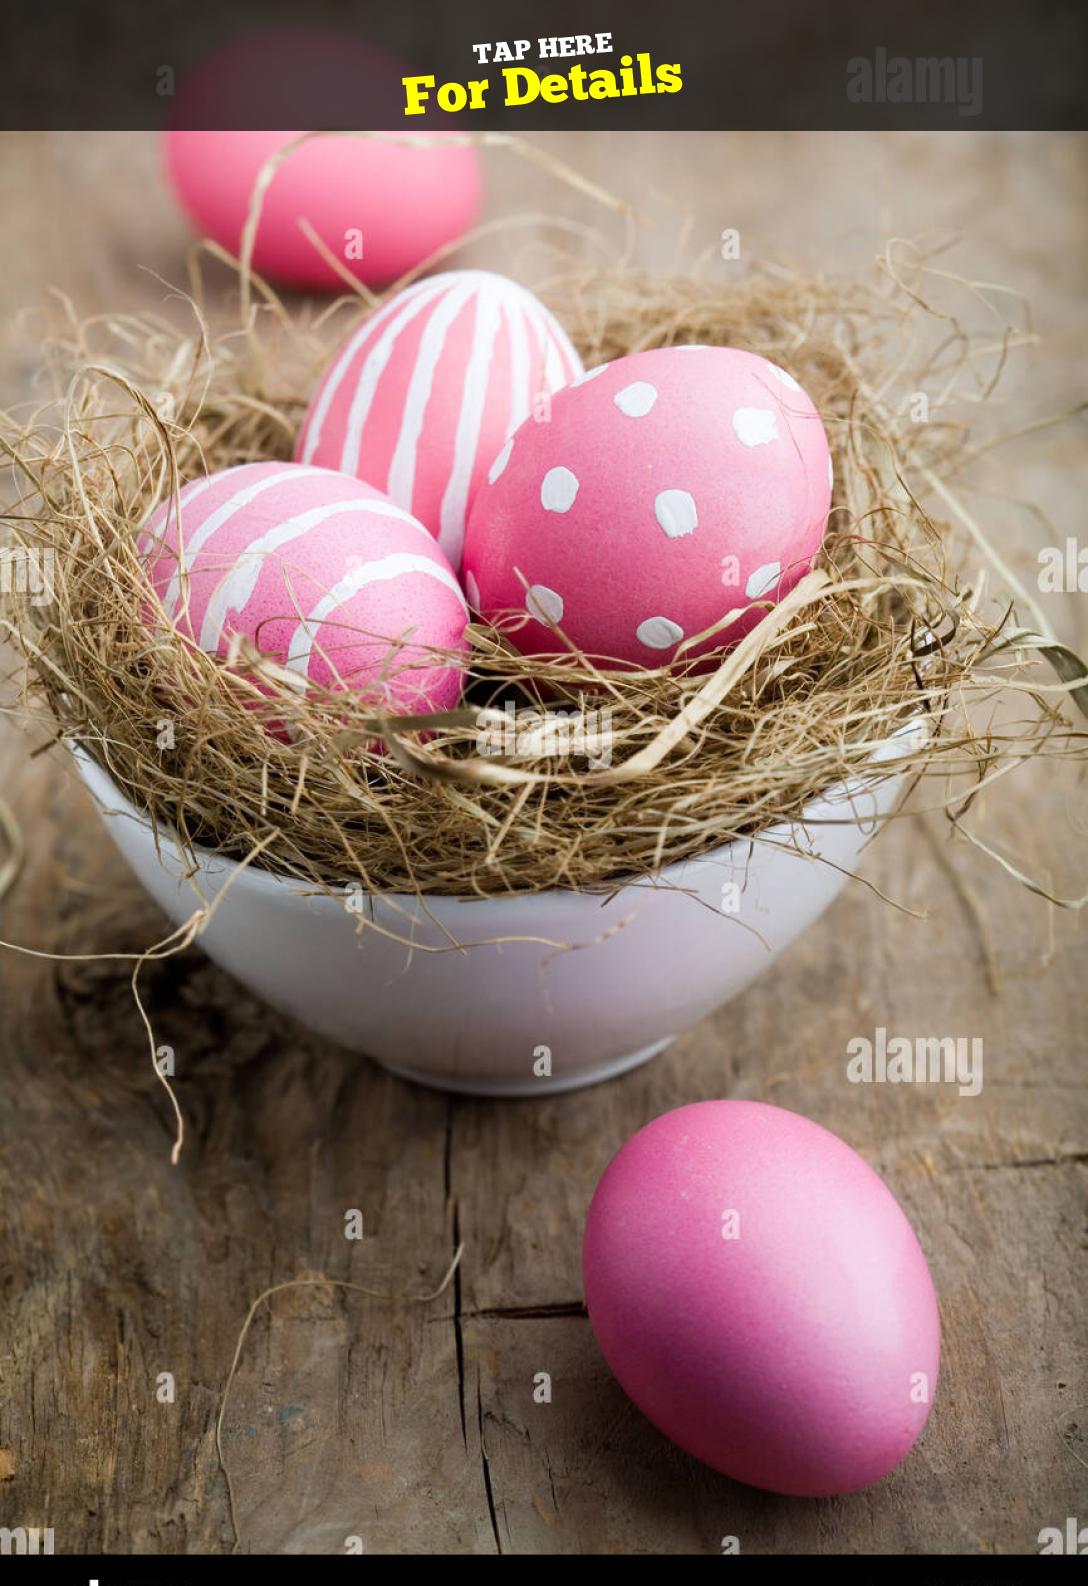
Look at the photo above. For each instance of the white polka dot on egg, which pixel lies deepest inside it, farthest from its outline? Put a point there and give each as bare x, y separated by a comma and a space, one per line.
763, 580
659, 633
544, 604
636, 400
781, 374
755, 426
676, 513
558, 490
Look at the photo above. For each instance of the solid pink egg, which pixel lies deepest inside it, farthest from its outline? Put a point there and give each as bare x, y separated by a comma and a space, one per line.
423, 396
379, 208
323, 573
396, 202
665, 490
760, 1295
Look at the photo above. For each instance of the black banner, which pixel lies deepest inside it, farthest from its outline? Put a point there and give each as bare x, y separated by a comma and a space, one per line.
588, 64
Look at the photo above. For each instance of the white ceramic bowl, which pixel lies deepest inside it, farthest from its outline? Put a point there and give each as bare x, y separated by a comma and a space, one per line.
584, 987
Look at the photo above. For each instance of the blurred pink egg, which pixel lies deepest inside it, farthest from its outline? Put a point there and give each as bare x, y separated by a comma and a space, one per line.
666, 489
323, 573
395, 203
420, 400
759, 1294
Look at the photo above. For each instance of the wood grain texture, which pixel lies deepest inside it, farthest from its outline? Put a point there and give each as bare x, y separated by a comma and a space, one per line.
414, 1427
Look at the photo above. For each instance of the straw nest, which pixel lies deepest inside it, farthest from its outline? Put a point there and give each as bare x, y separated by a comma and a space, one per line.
887, 628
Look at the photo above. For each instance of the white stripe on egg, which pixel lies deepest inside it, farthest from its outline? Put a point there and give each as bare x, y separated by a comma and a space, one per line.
217, 519
466, 444
378, 321
303, 640
498, 466
375, 358
235, 590
402, 470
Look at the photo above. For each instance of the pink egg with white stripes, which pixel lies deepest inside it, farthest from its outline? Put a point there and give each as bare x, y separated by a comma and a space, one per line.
422, 398
321, 572
668, 489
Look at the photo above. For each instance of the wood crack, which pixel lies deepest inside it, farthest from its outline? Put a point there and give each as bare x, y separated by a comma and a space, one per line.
447, 1151
1062, 1159
543, 1311
487, 1468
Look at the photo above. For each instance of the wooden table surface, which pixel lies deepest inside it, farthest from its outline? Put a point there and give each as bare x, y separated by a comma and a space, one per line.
414, 1426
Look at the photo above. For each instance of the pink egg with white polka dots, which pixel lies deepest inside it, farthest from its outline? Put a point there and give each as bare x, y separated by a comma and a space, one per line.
422, 396
665, 490
321, 572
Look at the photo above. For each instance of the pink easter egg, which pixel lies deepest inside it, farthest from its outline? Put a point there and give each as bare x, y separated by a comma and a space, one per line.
321, 572
667, 489
422, 397
380, 207
760, 1295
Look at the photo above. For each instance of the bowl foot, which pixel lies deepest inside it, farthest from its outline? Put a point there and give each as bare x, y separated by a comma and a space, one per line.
465, 1085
